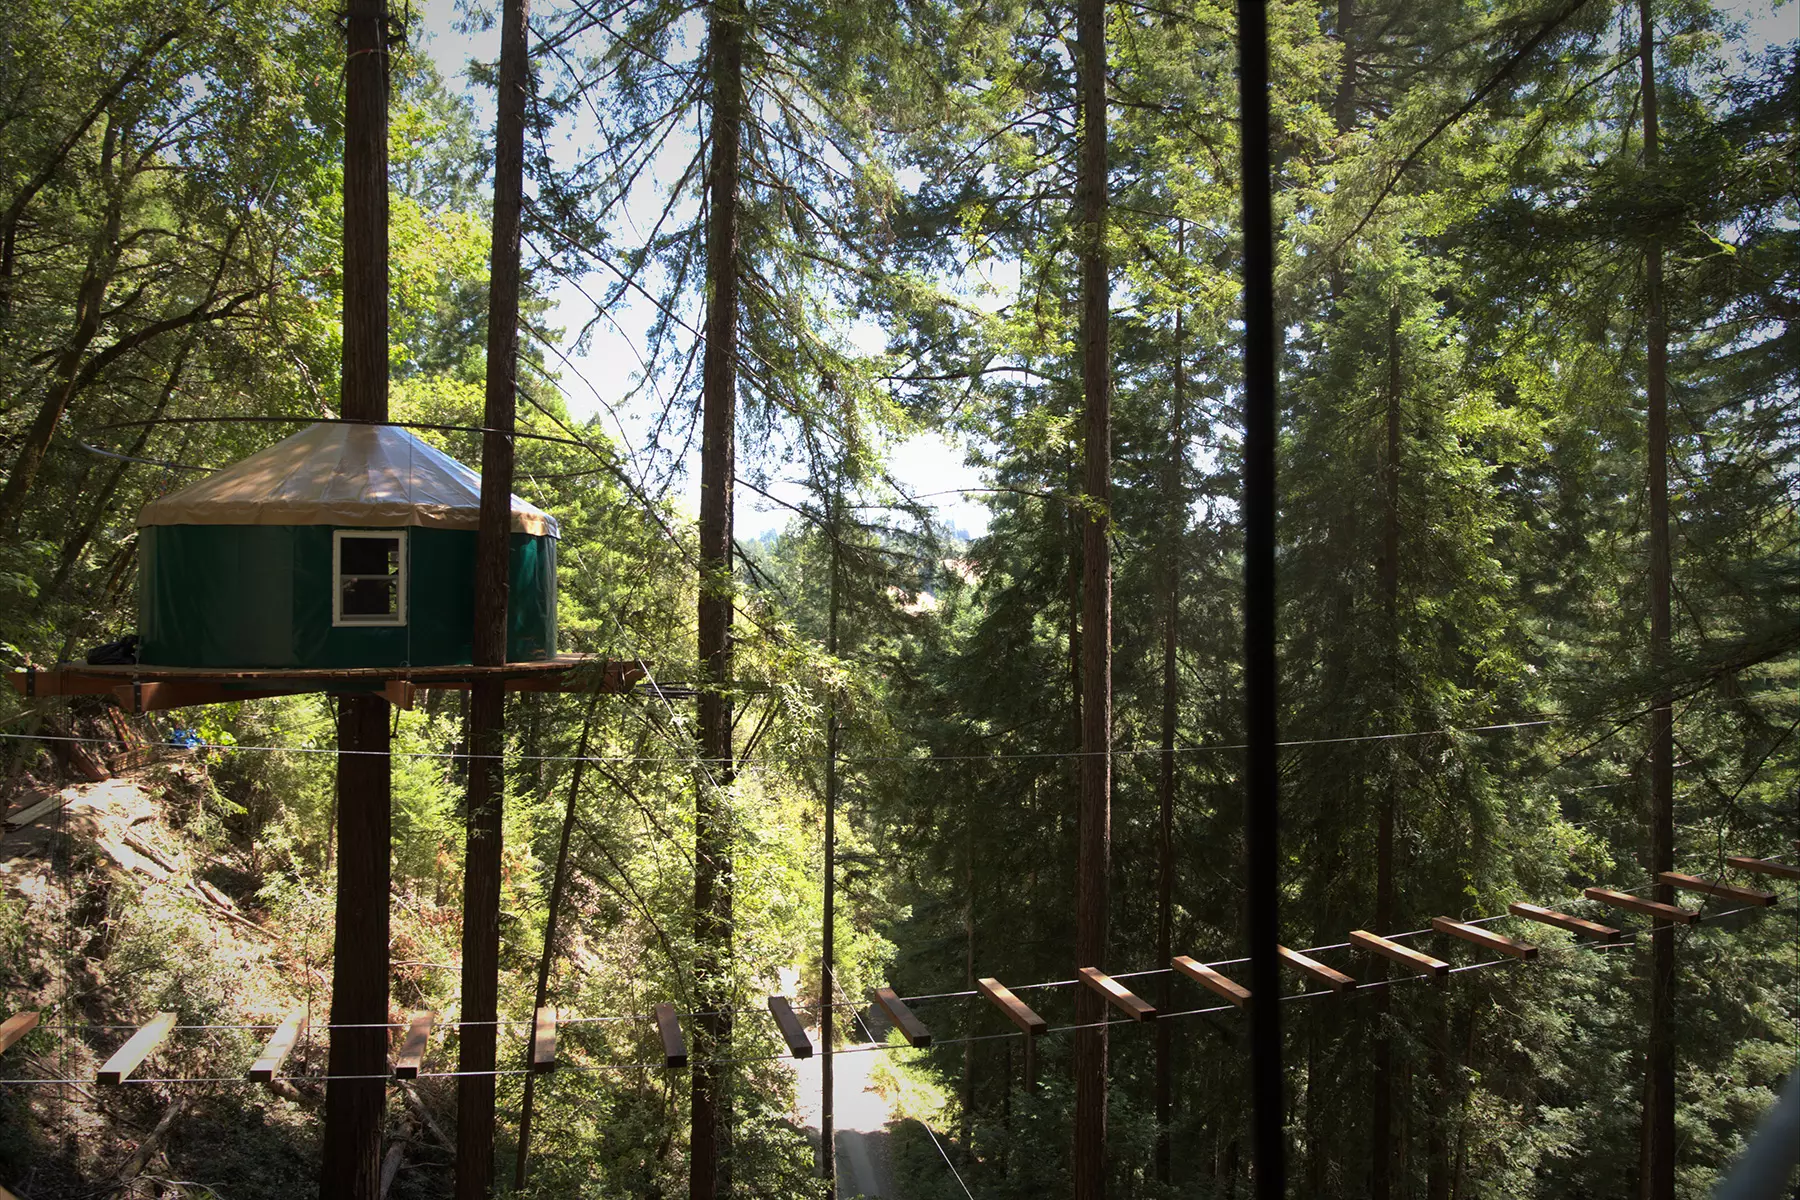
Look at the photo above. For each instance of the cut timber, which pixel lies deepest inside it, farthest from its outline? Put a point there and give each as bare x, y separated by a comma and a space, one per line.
1648, 908
565, 673
400, 693
910, 1027
280, 1046
146, 687
1724, 891
543, 1041
1766, 866
412, 1050
1337, 981
1116, 993
1484, 938
26, 816
1549, 916
390, 1166
798, 1044
159, 697
1015, 1009
131, 1055
668, 1027
1406, 956
1210, 979
16, 1027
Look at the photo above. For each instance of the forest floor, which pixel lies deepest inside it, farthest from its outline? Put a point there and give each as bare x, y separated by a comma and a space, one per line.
116, 909
865, 1112
863, 1119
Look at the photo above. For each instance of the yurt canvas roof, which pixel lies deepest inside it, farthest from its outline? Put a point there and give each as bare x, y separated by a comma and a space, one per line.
375, 476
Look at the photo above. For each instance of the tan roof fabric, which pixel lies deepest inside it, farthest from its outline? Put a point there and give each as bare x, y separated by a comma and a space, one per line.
374, 476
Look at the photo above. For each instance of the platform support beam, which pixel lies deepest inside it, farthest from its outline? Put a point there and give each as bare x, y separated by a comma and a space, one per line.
478, 1055
359, 984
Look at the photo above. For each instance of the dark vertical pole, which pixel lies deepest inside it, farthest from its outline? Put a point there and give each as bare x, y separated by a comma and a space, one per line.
1176, 498
713, 884
1094, 860
487, 698
351, 1165
549, 954
1382, 1123
1261, 818
1659, 1090
828, 925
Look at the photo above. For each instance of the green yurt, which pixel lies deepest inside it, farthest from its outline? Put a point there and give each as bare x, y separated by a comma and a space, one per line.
346, 545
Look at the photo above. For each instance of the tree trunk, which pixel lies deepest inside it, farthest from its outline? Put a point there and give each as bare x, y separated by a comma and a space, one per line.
354, 1106
828, 921
78, 541
712, 823
968, 1055
1262, 786
1382, 1116
1659, 1091
1094, 865
1176, 499
351, 1168
90, 310
542, 994
47, 170
1344, 108
1438, 1168
477, 1056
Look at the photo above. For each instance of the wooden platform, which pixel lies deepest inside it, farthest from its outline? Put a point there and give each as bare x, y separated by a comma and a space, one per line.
146, 687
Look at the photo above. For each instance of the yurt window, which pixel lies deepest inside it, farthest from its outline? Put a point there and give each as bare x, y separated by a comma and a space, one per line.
370, 571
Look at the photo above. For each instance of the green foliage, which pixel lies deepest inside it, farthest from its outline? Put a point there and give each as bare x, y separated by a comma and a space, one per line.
1461, 294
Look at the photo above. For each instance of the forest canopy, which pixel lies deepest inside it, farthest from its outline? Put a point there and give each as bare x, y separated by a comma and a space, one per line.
1538, 596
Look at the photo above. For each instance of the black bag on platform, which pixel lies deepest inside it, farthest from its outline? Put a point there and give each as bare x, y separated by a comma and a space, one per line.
114, 654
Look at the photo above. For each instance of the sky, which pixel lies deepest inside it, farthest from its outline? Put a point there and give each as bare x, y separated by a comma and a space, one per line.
597, 378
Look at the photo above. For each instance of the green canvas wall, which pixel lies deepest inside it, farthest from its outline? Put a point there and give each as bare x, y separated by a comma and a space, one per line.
260, 596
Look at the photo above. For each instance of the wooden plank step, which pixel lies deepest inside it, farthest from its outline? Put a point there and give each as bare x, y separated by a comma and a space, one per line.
1766, 866
1724, 891
1549, 916
412, 1048
543, 1041
668, 1027
1647, 908
16, 1027
26, 816
1117, 994
1210, 979
281, 1044
910, 1027
1317, 971
792, 1032
1015, 1009
1406, 956
1487, 939
131, 1055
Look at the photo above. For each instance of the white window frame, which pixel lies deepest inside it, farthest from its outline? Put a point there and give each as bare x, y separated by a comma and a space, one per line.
398, 616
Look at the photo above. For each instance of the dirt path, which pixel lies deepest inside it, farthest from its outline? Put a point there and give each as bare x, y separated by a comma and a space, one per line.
862, 1117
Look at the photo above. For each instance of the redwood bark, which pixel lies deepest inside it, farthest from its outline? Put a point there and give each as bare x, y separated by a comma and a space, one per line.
1658, 1181
1176, 499
1344, 107
1382, 1134
477, 1056
828, 920
1094, 861
355, 1102
718, 454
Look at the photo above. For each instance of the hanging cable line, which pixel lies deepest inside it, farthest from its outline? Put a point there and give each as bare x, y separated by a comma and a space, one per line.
873, 1044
